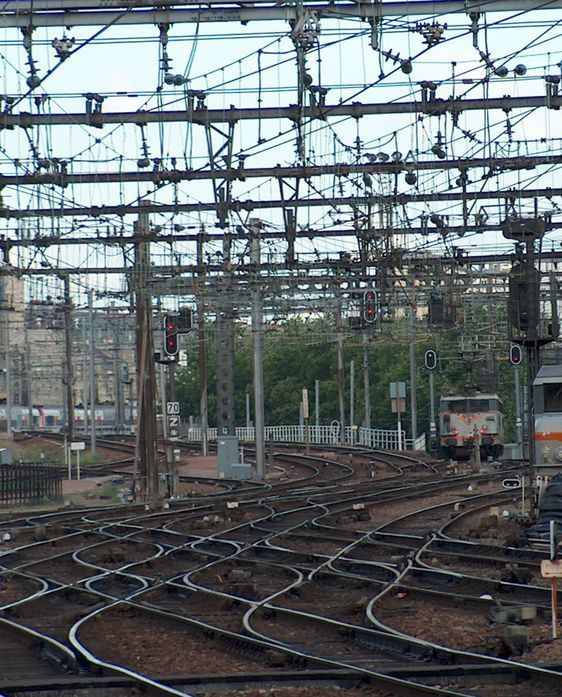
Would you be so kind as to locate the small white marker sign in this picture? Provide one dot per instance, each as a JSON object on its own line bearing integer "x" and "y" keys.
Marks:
{"x": 79, "y": 445}
{"x": 551, "y": 569}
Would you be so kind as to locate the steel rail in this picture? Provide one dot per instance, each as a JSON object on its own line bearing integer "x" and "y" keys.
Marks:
{"x": 216, "y": 536}
{"x": 529, "y": 670}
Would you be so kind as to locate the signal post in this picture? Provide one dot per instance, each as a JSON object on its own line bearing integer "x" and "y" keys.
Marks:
{"x": 174, "y": 325}
{"x": 430, "y": 361}
{"x": 516, "y": 358}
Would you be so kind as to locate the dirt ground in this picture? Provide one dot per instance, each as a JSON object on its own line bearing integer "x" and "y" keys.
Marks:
{"x": 31, "y": 448}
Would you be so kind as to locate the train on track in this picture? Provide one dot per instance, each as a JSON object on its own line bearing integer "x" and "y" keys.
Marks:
{"x": 53, "y": 417}
{"x": 547, "y": 397}
{"x": 468, "y": 417}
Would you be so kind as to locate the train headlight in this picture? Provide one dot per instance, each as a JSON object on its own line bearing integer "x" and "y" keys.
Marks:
{"x": 558, "y": 454}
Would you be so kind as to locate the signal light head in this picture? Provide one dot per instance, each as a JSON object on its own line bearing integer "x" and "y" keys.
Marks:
{"x": 430, "y": 360}
{"x": 515, "y": 354}
{"x": 171, "y": 347}
{"x": 369, "y": 306}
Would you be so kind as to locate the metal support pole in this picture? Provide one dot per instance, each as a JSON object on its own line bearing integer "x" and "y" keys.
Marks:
{"x": 165, "y": 433}
{"x": 533, "y": 363}
{"x": 432, "y": 424}
{"x": 399, "y": 425}
{"x": 203, "y": 402}
{"x": 413, "y": 389}
{"x": 174, "y": 471}
{"x": 518, "y": 412}
{"x": 119, "y": 397}
{"x": 116, "y": 388}
{"x": 146, "y": 459}
{"x": 84, "y": 376}
{"x": 352, "y": 399}
{"x": 248, "y": 416}
{"x": 366, "y": 381}
{"x": 68, "y": 358}
{"x": 341, "y": 373}
{"x": 201, "y": 340}
{"x": 257, "y": 333}
{"x": 317, "y": 402}
{"x": 28, "y": 376}
{"x": 92, "y": 376}
{"x": 554, "y": 604}
{"x": 8, "y": 374}
{"x": 476, "y": 460}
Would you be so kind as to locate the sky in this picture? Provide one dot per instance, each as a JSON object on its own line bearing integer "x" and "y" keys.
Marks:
{"x": 255, "y": 65}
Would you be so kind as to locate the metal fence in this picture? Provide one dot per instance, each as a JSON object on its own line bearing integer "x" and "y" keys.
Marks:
{"x": 29, "y": 484}
{"x": 322, "y": 435}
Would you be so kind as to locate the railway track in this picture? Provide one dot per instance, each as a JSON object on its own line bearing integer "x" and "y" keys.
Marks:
{"x": 329, "y": 572}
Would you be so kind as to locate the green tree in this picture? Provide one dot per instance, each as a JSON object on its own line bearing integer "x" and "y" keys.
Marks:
{"x": 299, "y": 352}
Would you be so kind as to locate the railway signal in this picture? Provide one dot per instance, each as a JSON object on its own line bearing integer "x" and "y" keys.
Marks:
{"x": 171, "y": 347}
{"x": 430, "y": 360}
{"x": 369, "y": 306}
{"x": 184, "y": 320}
{"x": 511, "y": 483}
{"x": 515, "y": 354}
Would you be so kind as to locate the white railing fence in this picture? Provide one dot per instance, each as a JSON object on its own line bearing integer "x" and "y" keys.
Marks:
{"x": 322, "y": 435}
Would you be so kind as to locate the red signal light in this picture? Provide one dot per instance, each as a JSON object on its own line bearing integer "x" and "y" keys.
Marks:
{"x": 369, "y": 306}
{"x": 171, "y": 347}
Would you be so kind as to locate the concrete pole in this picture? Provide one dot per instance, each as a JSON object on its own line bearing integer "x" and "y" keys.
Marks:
{"x": 366, "y": 381}
{"x": 257, "y": 333}
{"x": 413, "y": 389}
{"x": 92, "y": 375}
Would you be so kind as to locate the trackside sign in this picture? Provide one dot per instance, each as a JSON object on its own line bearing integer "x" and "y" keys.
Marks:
{"x": 551, "y": 569}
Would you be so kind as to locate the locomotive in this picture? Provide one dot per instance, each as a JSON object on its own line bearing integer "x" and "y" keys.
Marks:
{"x": 468, "y": 417}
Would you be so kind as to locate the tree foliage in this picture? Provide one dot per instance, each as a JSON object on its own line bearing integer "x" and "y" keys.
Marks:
{"x": 298, "y": 352}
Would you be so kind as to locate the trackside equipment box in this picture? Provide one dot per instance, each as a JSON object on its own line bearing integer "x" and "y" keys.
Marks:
{"x": 230, "y": 466}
